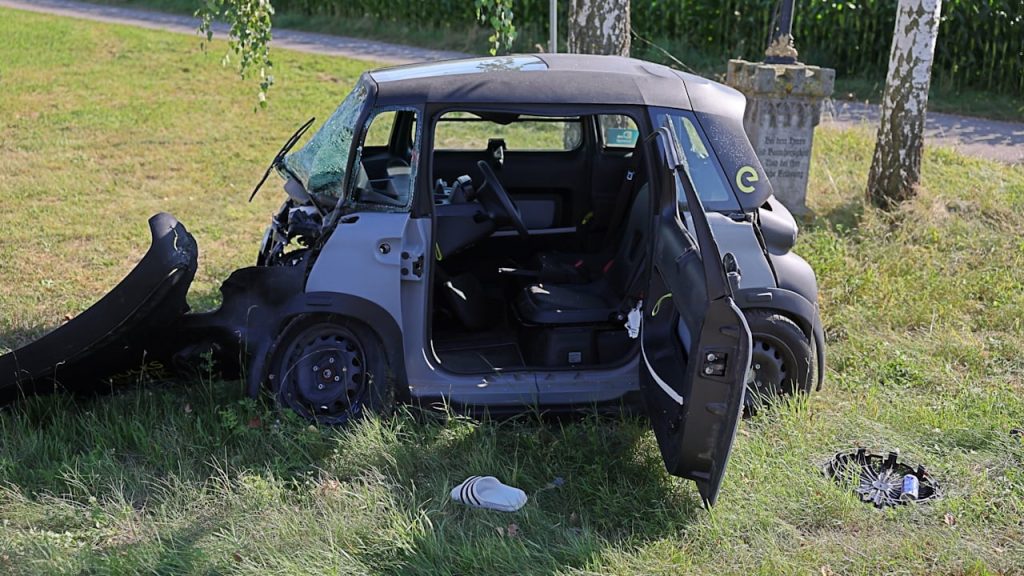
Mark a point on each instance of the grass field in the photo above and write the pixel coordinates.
(101, 126)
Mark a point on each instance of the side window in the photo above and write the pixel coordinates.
(708, 178)
(693, 146)
(386, 166)
(466, 131)
(379, 133)
(618, 132)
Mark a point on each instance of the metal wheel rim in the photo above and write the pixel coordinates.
(324, 374)
(772, 366)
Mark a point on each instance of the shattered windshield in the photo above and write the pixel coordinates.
(320, 165)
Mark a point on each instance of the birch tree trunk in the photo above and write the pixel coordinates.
(599, 27)
(896, 164)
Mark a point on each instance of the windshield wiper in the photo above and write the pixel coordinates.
(288, 145)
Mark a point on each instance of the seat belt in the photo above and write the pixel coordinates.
(638, 270)
(623, 200)
(631, 296)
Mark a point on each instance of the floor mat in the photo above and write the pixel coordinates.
(482, 358)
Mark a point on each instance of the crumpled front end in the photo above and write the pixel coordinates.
(125, 330)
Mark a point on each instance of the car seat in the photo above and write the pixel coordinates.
(607, 297)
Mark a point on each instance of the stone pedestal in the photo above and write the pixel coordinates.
(783, 107)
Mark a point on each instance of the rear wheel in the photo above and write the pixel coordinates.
(781, 359)
(330, 370)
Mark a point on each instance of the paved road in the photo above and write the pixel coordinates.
(1003, 141)
(356, 48)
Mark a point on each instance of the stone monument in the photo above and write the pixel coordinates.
(784, 100)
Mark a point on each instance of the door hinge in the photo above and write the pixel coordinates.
(715, 364)
(732, 271)
(412, 265)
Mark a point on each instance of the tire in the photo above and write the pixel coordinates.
(330, 370)
(782, 359)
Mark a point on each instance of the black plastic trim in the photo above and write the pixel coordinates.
(120, 332)
(258, 302)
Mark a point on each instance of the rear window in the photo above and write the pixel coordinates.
(617, 131)
(466, 131)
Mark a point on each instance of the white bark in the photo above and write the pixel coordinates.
(896, 165)
(599, 27)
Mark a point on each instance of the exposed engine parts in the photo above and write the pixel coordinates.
(292, 232)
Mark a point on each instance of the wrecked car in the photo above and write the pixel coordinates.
(561, 232)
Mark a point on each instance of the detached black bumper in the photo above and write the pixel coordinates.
(121, 332)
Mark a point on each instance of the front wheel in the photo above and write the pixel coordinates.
(330, 370)
(781, 360)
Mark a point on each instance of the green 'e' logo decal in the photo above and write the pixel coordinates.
(745, 178)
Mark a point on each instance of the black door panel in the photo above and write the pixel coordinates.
(694, 414)
(695, 342)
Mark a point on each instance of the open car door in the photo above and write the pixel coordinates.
(694, 339)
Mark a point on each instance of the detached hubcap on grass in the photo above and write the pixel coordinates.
(324, 376)
(881, 480)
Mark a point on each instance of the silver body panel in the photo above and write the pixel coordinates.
(363, 257)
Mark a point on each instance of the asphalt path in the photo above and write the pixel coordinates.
(995, 140)
(992, 139)
(355, 48)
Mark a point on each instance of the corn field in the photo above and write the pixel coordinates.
(981, 42)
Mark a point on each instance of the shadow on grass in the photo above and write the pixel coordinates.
(15, 338)
(177, 551)
(846, 215)
(593, 482)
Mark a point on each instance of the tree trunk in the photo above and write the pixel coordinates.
(599, 27)
(896, 165)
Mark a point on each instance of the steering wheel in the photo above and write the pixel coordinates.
(496, 200)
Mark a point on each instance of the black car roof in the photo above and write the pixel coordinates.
(574, 79)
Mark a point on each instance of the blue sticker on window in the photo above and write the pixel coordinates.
(621, 136)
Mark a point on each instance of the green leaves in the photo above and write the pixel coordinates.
(981, 42)
(498, 15)
(248, 37)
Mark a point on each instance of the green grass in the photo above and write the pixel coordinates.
(100, 126)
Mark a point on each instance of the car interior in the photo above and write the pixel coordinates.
(540, 228)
